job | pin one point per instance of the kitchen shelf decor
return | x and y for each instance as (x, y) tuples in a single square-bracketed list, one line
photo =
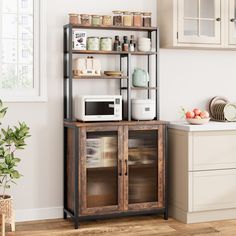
[(113, 168)]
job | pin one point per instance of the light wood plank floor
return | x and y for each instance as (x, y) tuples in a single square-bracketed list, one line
[(131, 226)]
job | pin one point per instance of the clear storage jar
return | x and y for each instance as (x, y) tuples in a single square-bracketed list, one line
[(106, 44), (137, 19), (96, 20), (74, 19), (93, 43), (107, 20), (147, 19), (85, 20), (127, 18), (117, 18)]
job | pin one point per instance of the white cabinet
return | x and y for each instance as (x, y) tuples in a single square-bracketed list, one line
[(202, 175), (197, 23)]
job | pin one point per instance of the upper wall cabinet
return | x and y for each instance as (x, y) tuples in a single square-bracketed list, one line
[(197, 23)]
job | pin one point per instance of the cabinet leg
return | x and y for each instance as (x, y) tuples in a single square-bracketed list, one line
[(76, 224), (166, 215), (3, 224), (64, 215)]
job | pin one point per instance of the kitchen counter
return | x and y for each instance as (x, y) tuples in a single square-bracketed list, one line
[(211, 126)]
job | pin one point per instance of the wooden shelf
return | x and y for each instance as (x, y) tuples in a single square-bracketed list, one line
[(112, 27), (100, 77), (111, 52), (141, 88)]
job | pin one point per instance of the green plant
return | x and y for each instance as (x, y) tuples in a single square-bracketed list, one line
[(11, 140)]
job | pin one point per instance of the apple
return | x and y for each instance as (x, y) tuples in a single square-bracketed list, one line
[(197, 111), (204, 114), (189, 114)]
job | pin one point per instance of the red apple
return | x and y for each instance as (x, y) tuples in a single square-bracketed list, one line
[(189, 114), (204, 114), (197, 111)]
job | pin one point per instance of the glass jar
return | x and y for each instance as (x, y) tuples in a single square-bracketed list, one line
[(85, 19), (96, 20), (127, 18), (147, 19), (73, 19), (117, 18), (106, 44), (93, 43), (107, 20), (137, 19)]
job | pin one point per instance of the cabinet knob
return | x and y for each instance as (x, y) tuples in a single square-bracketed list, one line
[(233, 20), (218, 19)]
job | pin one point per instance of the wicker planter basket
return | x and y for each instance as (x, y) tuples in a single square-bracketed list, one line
[(7, 212)]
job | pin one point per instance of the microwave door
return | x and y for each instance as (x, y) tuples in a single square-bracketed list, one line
[(99, 108)]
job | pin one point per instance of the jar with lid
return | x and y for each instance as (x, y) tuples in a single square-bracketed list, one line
[(96, 20), (107, 20), (117, 18), (85, 19), (147, 19), (137, 19), (93, 43), (106, 44), (74, 19), (127, 18)]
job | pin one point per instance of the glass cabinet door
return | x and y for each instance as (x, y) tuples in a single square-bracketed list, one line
[(144, 168), (199, 21), (232, 21), (100, 171)]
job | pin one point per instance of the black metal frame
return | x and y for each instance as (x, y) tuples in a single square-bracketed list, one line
[(69, 117)]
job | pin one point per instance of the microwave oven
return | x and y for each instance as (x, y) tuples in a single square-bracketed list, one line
[(98, 108)]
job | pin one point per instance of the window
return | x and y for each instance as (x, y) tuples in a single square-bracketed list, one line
[(22, 48)]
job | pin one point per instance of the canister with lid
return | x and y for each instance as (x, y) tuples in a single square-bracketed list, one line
[(93, 43), (74, 19), (137, 19), (147, 19), (127, 18), (85, 19), (96, 20), (106, 44), (117, 18), (107, 20)]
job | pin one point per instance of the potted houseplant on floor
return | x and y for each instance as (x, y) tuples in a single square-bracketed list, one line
[(12, 140)]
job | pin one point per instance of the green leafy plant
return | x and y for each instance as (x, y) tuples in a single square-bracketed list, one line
[(12, 139)]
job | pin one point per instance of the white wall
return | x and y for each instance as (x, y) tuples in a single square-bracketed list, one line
[(188, 78)]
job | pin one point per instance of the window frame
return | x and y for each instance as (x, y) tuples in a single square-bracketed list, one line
[(39, 92)]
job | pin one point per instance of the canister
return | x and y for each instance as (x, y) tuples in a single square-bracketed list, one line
[(93, 43), (106, 44), (137, 19), (85, 19), (96, 20), (147, 19), (107, 20), (74, 19), (127, 18), (117, 18)]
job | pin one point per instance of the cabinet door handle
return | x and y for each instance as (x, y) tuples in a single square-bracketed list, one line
[(126, 167), (218, 19), (120, 168), (233, 20)]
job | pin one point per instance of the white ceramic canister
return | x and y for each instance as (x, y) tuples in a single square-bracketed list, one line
[(143, 109), (93, 43), (106, 44)]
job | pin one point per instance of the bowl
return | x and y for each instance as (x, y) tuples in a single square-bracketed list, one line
[(197, 121)]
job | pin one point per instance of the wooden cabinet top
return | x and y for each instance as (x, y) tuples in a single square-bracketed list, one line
[(115, 123)]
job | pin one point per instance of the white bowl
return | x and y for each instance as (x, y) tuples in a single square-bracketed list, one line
[(144, 40), (197, 121)]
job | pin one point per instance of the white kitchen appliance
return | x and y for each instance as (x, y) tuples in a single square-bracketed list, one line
[(143, 109), (86, 67), (98, 108)]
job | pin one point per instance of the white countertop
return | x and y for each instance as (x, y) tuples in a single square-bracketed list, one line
[(211, 126)]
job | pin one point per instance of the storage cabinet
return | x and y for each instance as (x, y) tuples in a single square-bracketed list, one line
[(115, 169), (202, 175), (197, 23)]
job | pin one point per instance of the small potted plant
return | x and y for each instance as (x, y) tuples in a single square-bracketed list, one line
[(12, 139)]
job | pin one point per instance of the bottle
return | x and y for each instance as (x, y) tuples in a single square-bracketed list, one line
[(117, 44), (133, 42), (125, 45)]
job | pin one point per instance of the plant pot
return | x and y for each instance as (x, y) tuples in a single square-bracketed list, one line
[(6, 209)]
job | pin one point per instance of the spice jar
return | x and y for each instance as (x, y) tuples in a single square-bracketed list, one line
[(127, 18), (147, 19), (107, 20), (85, 19), (117, 18), (137, 19), (106, 44), (93, 43), (96, 20), (74, 19)]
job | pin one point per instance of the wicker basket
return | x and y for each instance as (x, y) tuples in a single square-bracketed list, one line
[(6, 208)]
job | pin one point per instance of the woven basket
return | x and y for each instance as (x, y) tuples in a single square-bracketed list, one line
[(6, 208)]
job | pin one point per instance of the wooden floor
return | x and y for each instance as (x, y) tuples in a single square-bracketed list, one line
[(132, 226)]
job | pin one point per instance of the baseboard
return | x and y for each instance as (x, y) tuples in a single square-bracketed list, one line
[(39, 214)]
